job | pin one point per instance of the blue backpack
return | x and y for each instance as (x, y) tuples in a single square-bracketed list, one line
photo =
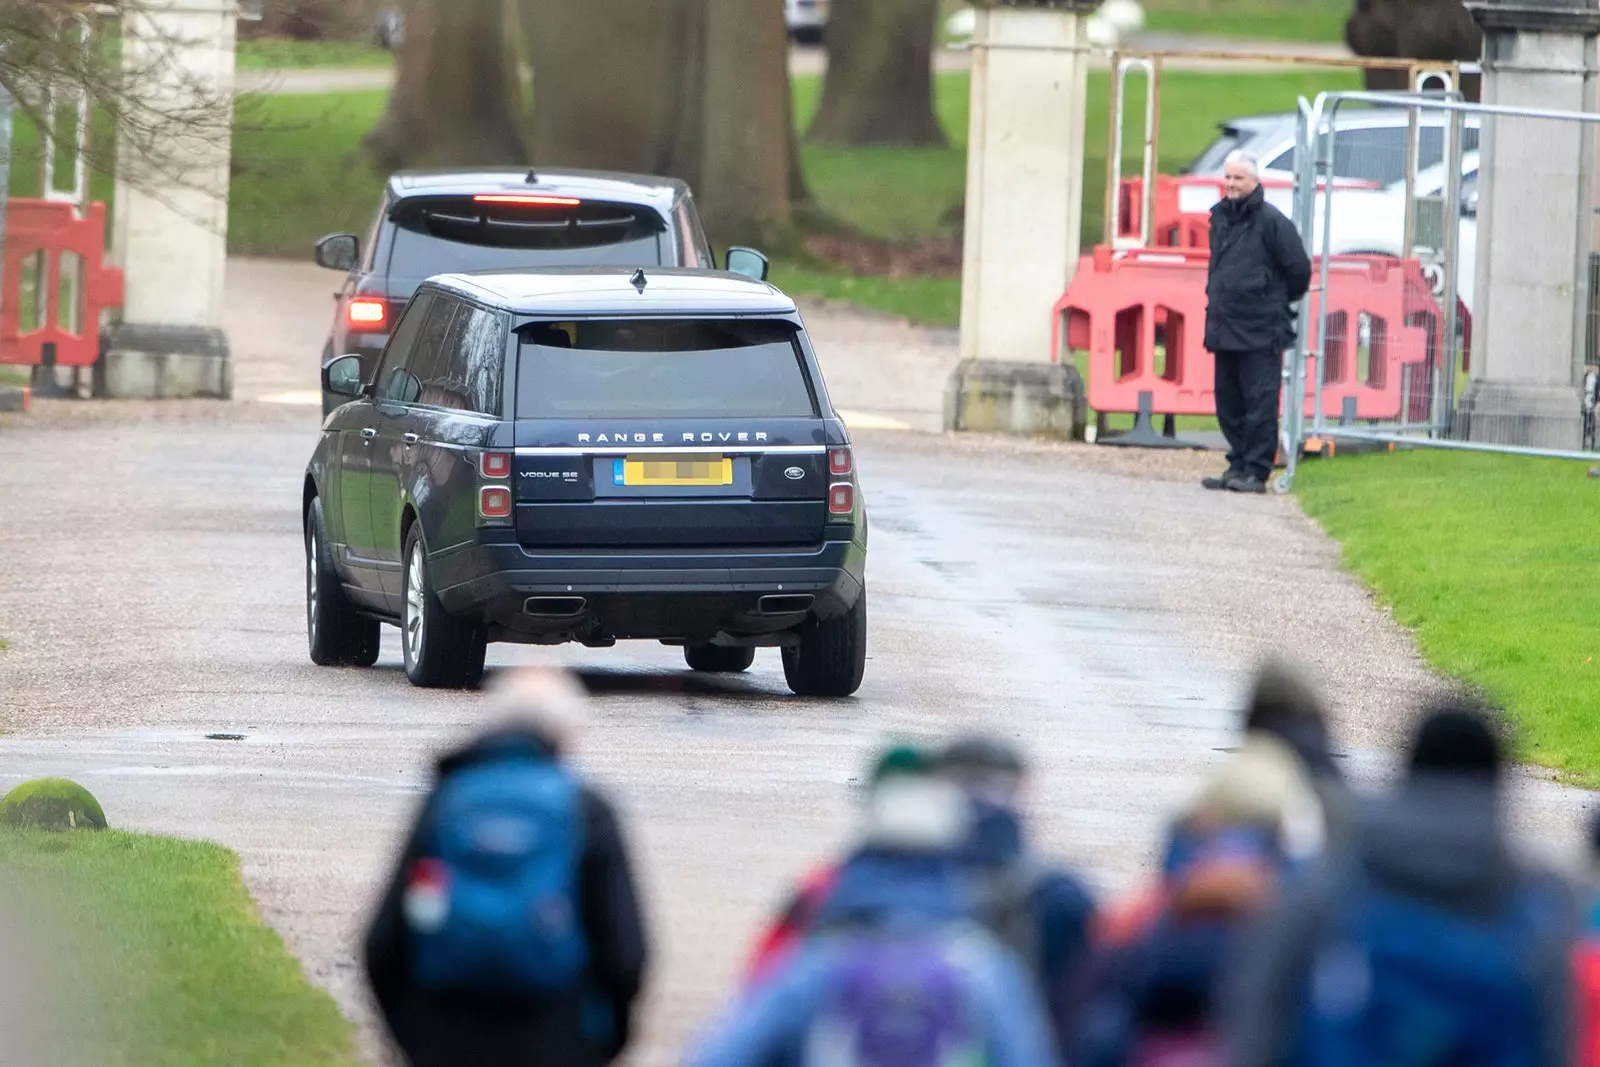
[(492, 907), (896, 1001), (1402, 983)]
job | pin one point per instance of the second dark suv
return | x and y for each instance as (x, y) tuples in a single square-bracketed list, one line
[(589, 455), (444, 222)]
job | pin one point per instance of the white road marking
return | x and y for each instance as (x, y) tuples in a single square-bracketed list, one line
[(306, 399)]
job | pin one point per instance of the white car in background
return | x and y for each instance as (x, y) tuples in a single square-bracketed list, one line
[(807, 20)]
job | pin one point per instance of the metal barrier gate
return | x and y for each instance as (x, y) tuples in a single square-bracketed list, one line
[(1416, 352)]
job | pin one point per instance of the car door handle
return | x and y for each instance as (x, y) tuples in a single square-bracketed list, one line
[(409, 438), (369, 433)]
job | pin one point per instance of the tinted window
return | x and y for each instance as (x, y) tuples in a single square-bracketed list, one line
[(467, 374), (405, 334), (1375, 154), (403, 383), (685, 368), (442, 235)]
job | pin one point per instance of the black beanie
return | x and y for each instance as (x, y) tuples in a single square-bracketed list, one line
[(1283, 703), (1456, 739)]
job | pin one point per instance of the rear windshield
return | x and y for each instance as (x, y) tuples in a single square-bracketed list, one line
[(442, 235), (666, 368), (1211, 159)]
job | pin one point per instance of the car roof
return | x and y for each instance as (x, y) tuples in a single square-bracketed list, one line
[(608, 291), (658, 192)]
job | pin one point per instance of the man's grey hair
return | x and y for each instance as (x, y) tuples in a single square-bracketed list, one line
[(1239, 155)]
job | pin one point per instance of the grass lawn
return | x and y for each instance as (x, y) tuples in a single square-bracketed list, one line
[(277, 52), (180, 970), (1491, 561), (1261, 20)]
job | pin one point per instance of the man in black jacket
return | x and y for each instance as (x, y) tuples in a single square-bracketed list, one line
[(586, 1025), (1259, 267)]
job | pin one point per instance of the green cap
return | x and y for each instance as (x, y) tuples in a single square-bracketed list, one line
[(901, 759)]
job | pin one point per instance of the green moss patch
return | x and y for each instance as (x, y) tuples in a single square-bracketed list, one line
[(54, 804)]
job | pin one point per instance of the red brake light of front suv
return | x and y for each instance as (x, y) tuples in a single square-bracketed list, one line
[(840, 462), (495, 464), (494, 502), (526, 199), (841, 498), (367, 314)]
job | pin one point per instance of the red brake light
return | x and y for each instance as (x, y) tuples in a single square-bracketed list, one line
[(495, 465), (839, 462), (841, 499), (368, 313), (526, 199), (494, 502)]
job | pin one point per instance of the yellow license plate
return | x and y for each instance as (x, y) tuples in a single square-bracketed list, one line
[(674, 470)]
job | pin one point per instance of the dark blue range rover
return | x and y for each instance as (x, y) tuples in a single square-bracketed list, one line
[(589, 454)]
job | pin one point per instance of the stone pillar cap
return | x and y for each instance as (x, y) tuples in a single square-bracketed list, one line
[(1582, 17)]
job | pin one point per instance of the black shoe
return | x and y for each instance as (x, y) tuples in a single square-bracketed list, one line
[(1219, 481), (1244, 483)]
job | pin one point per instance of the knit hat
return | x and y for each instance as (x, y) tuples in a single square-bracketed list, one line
[(1457, 739), (1284, 703), (546, 701), (899, 760)]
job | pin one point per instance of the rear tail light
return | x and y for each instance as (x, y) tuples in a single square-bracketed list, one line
[(527, 199), (368, 314), (495, 464), (494, 502), (841, 498), (840, 462)]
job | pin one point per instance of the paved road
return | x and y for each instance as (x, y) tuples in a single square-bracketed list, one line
[(1092, 604), (1255, 56)]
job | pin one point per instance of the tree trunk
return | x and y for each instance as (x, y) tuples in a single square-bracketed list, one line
[(747, 131), (455, 99), (1413, 29), (610, 84), (879, 85)]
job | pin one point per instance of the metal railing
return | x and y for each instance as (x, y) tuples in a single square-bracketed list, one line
[(1433, 225)]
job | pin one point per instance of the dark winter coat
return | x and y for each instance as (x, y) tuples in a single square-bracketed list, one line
[(583, 1027), (1258, 268), (1438, 840)]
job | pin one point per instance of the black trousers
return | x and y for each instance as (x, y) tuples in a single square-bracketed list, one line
[(1247, 408)]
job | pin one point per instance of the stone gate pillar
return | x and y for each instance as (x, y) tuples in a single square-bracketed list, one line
[(171, 228), (1024, 207), (1535, 202)]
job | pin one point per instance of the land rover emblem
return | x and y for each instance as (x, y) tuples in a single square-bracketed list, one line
[(794, 474)]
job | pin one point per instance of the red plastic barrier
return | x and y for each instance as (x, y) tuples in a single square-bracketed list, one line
[(1140, 315), (56, 283)]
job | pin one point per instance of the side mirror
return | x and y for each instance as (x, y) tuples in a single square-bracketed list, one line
[(339, 251), (1469, 202), (342, 376), (749, 262)]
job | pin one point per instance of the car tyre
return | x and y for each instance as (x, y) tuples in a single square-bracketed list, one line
[(442, 651), (718, 659), (832, 655), (339, 636)]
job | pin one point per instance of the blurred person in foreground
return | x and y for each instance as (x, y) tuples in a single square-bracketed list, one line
[(893, 972), (1586, 958), (1149, 995), (804, 905), (511, 932), (1040, 911), (1281, 778), (1259, 268), (1427, 943)]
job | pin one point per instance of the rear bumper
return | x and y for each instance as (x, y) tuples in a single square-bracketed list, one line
[(687, 593)]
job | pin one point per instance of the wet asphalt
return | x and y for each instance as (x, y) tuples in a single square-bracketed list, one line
[(1097, 608)]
